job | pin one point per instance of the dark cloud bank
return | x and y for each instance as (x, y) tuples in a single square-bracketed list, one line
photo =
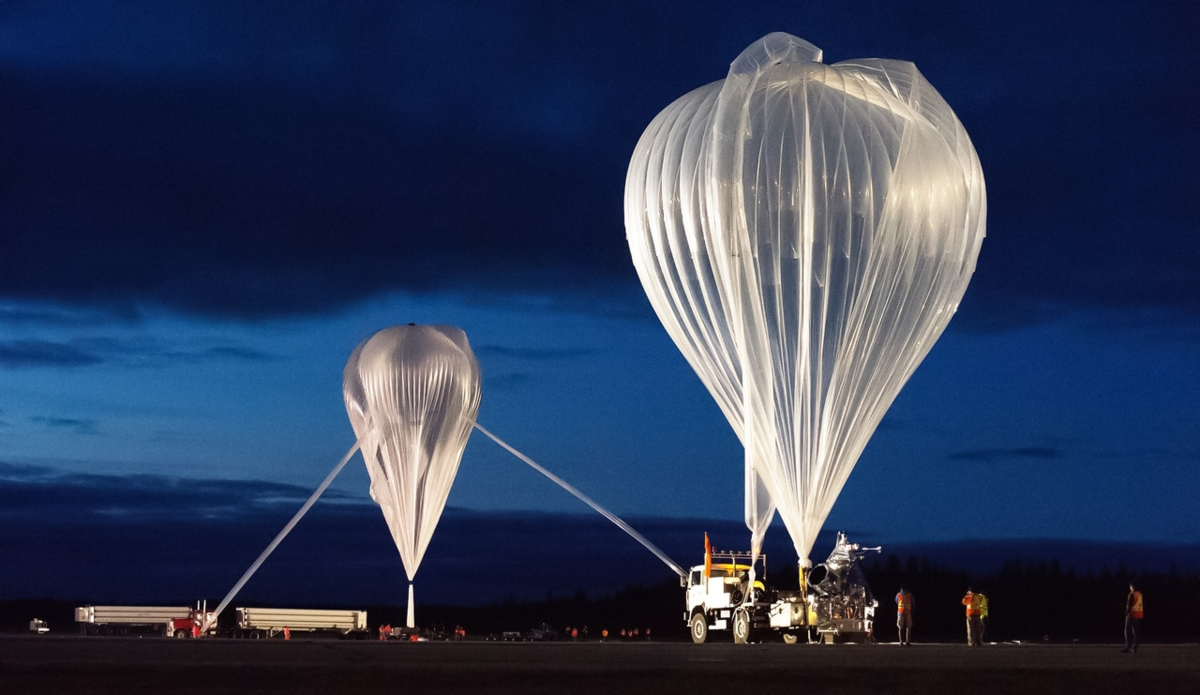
[(149, 539), (79, 352), (248, 167)]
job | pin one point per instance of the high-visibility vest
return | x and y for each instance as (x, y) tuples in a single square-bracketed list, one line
[(904, 602), (1136, 609), (972, 607)]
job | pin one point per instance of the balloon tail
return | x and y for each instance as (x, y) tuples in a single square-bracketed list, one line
[(590, 502), (412, 609), (212, 620)]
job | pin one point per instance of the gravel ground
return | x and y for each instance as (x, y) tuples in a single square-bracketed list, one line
[(52, 665)]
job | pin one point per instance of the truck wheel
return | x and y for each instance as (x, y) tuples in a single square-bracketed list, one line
[(699, 627), (741, 626), (181, 634), (789, 638), (257, 634)]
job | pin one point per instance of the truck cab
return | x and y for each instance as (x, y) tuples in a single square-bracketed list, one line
[(720, 588)]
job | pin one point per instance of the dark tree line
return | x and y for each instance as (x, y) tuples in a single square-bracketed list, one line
[(1035, 602)]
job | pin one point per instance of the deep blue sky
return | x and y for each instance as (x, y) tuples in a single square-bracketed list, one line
[(204, 208)]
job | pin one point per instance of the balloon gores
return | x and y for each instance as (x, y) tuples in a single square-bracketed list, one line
[(412, 394), (804, 233)]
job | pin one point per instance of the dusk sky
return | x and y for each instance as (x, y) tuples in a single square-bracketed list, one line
[(204, 207)]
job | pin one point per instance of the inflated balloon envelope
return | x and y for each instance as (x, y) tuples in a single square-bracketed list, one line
[(805, 232), (412, 395)]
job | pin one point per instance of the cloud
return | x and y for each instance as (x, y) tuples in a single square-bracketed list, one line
[(44, 491), (43, 353), (78, 426), (508, 380), (535, 354), (220, 352), (43, 315), (236, 199), (237, 166), (87, 352), (1000, 455)]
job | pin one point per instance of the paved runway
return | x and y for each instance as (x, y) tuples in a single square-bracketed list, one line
[(51, 665)]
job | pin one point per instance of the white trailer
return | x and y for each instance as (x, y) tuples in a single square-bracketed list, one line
[(259, 623), (168, 621)]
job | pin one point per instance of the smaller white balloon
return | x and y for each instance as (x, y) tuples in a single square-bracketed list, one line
[(412, 394)]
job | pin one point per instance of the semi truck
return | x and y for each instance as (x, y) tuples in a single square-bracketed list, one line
[(729, 592), (260, 623), (167, 621)]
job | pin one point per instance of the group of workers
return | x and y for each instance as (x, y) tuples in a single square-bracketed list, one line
[(626, 635), (977, 613), (976, 604)]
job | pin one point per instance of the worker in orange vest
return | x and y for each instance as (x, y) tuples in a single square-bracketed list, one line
[(287, 633), (1133, 619), (904, 611), (974, 629)]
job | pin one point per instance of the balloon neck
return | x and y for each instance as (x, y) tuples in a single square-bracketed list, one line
[(412, 622), (804, 566)]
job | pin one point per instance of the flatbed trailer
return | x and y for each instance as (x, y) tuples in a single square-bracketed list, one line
[(167, 621), (261, 623)]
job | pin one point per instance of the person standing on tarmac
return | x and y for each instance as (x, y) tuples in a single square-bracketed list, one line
[(1133, 619), (981, 602), (904, 611), (973, 626)]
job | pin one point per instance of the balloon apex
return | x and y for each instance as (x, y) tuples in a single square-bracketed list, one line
[(773, 49)]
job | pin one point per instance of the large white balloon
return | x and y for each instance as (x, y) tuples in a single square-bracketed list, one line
[(665, 217), (805, 232), (412, 394)]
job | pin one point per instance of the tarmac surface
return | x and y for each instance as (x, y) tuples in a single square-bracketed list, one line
[(50, 665)]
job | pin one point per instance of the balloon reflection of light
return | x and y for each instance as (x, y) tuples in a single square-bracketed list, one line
[(412, 393), (805, 232)]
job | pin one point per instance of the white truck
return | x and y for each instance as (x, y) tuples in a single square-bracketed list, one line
[(834, 603), (259, 623), (168, 621)]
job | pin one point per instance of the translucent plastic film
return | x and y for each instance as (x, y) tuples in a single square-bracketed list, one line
[(666, 223), (412, 394), (805, 232)]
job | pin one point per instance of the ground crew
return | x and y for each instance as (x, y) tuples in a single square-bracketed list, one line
[(904, 611), (287, 633), (1133, 619), (974, 638), (982, 602)]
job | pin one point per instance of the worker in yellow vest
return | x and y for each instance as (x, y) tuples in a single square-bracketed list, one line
[(981, 602), (904, 611), (1133, 619)]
